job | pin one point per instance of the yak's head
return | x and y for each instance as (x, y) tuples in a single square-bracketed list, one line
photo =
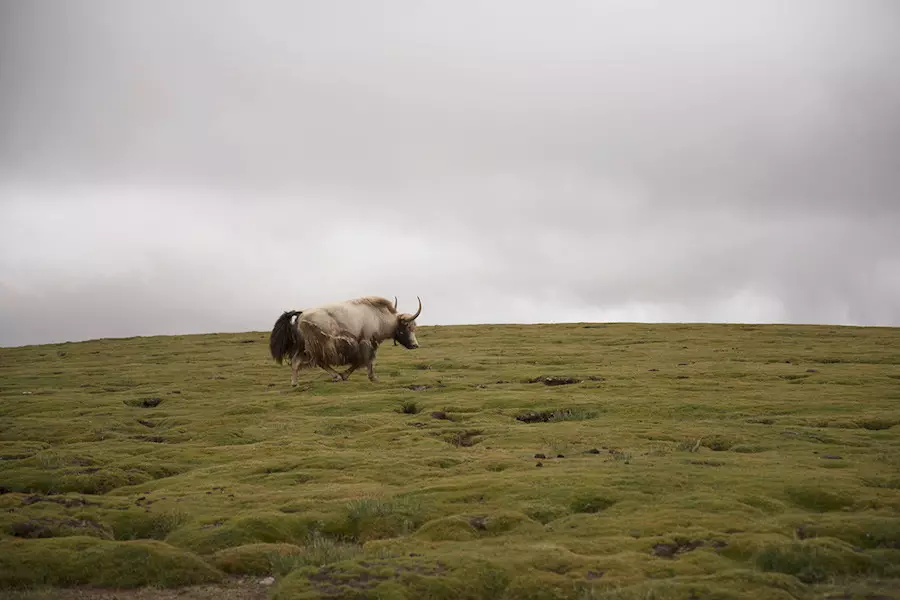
[(405, 332)]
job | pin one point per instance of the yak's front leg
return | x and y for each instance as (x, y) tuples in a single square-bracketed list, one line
[(335, 376), (346, 374), (364, 351)]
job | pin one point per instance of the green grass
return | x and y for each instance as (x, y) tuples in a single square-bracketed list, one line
[(556, 461)]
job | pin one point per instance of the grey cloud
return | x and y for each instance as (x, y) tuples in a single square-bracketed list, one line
[(506, 160)]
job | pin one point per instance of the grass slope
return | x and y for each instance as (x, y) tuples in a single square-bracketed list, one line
[(565, 461)]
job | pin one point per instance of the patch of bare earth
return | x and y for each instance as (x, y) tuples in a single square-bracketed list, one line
[(234, 589)]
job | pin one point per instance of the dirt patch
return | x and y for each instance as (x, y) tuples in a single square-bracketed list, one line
[(548, 416), (679, 546), (443, 416), (543, 416), (876, 424), (333, 582), (146, 423), (555, 380), (419, 388), (67, 502), (30, 529), (47, 528), (462, 439), (236, 589), (150, 402)]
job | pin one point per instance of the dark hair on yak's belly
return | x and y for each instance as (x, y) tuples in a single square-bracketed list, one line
[(347, 351)]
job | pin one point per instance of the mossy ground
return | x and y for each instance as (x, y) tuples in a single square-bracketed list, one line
[(647, 461)]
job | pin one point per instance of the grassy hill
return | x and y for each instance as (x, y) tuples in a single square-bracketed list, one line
[(567, 461)]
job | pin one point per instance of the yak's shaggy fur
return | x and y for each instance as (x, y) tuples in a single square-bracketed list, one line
[(285, 339)]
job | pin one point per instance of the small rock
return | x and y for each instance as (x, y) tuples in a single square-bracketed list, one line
[(267, 581), (560, 456), (653, 370), (539, 456), (539, 464), (832, 457), (812, 371), (593, 451)]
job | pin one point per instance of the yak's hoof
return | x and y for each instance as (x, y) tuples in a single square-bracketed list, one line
[(373, 378)]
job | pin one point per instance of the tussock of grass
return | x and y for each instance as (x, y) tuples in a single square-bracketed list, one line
[(707, 461), (89, 561), (410, 407), (317, 551), (373, 518), (137, 524), (815, 561), (407, 577), (817, 499), (592, 504)]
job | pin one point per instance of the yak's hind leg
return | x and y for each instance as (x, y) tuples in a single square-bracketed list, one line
[(296, 363)]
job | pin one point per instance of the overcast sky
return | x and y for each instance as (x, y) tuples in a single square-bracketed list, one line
[(179, 167)]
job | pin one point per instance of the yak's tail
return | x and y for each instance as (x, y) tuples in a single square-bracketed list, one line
[(285, 340)]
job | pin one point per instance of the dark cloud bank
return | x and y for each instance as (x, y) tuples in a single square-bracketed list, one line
[(172, 167)]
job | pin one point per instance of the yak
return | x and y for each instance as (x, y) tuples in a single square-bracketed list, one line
[(341, 333)]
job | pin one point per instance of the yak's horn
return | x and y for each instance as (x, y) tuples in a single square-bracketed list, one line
[(418, 312)]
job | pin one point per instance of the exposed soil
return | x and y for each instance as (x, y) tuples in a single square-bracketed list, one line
[(67, 502), (555, 380), (235, 589), (332, 582), (462, 439), (439, 414), (670, 550), (681, 546), (543, 416), (151, 402), (44, 527)]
